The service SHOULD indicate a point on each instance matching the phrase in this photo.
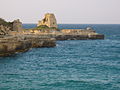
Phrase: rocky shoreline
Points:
(13, 44)
(14, 39)
(79, 37)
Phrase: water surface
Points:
(71, 65)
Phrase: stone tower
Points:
(49, 20)
(17, 25)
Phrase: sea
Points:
(71, 65)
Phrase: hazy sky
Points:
(66, 11)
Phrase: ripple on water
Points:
(71, 65)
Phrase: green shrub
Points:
(44, 27)
(3, 22)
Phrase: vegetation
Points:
(3, 22)
(44, 27)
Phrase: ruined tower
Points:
(17, 25)
(49, 20)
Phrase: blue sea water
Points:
(71, 65)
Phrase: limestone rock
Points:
(13, 44)
(79, 34)
(7, 27)
(17, 25)
(49, 20)
(4, 30)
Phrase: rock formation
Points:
(49, 20)
(13, 44)
(7, 27)
(13, 38)
(78, 34)
(17, 25)
(4, 30)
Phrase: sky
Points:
(66, 11)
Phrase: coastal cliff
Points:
(13, 44)
(13, 38)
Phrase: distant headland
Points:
(14, 38)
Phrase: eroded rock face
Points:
(79, 37)
(17, 25)
(7, 27)
(13, 44)
(4, 30)
(79, 34)
(49, 20)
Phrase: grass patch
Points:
(44, 27)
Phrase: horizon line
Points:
(77, 23)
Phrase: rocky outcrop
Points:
(79, 37)
(49, 20)
(79, 34)
(68, 34)
(77, 31)
(7, 27)
(13, 44)
(17, 25)
(4, 30)
(13, 38)
(41, 41)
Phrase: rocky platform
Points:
(14, 39)
(79, 37)
(13, 44)
(78, 34)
